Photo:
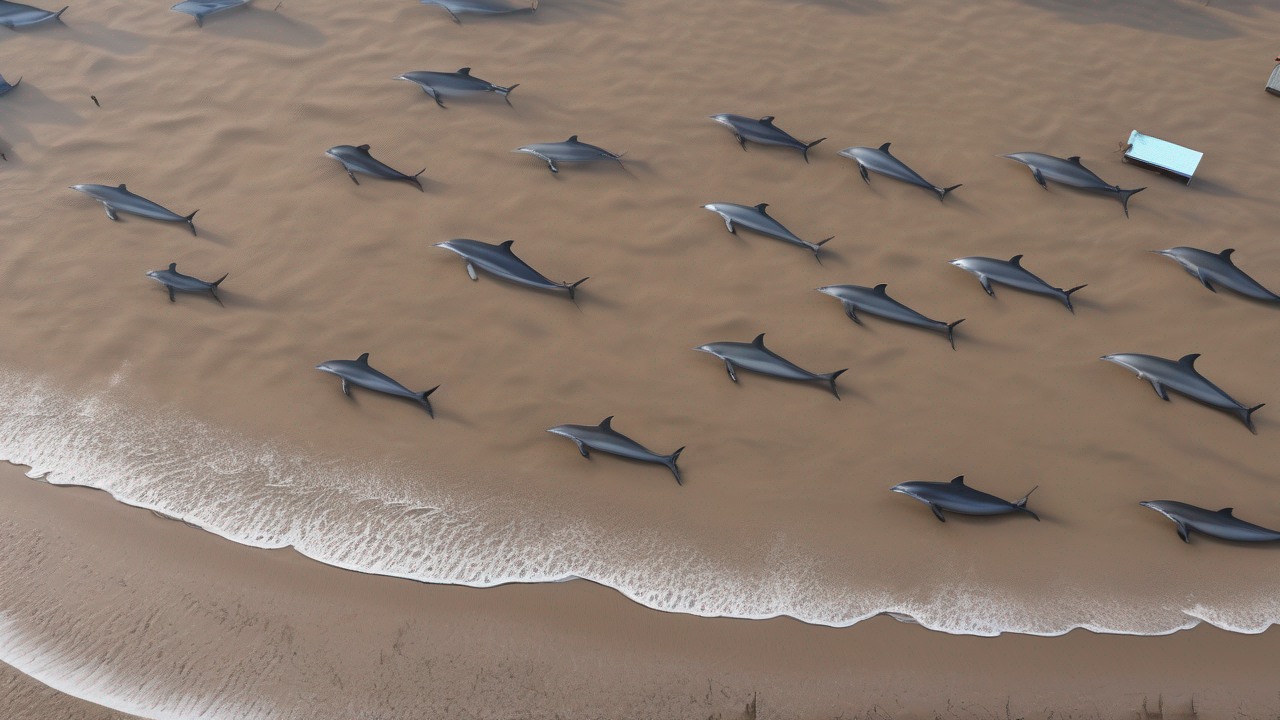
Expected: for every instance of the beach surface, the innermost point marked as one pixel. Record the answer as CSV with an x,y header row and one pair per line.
x,y
216,416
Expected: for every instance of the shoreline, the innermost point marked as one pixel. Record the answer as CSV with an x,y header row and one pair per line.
x,y
245,633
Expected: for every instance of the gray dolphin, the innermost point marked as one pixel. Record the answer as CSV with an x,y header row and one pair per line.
x,y
754,356
477,7
357,159
604,438
1209,268
440,85
758,219
1182,376
119,199
874,301
570,150
957,497
1010,272
16,15
174,280
1070,172
6,87
357,372
502,262
1220,524
762,131
200,8
880,161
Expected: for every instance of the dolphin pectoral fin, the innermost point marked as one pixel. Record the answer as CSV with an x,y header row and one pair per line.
x,y
862,170
986,285
729,366
852,311
434,96
171,297
1205,281
346,387
1160,389
729,225
937,511
582,449
471,270
1035,173
111,212
352,176
1182,531
551,164
741,141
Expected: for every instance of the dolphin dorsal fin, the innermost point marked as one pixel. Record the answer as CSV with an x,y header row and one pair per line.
x,y
1227,512
958,480
879,289
1189,360
885,147
607,423
122,187
507,245
464,71
1074,159
1016,260
761,207
363,359
1226,254
572,139
759,341
363,147
767,120
173,267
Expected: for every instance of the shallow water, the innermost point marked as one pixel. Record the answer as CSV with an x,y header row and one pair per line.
x,y
215,415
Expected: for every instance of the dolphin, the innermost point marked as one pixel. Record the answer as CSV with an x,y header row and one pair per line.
x,y
358,159
1183,377
1070,172
200,8
604,438
119,199
174,280
357,372
502,262
754,356
1010,272
960,498
762,131
874,301
879,160
440,85
1220,524
568,151
758,219
477,7
6,87
16,15
1209,268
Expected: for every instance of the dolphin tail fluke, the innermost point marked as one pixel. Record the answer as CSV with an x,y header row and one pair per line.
x,y
414,179
818,246
1124,198
190,222
942,192
1022,504
506,93
806,147
670,462
427,403
951,332
1066,297
1246,414
573,288
831,380
58,15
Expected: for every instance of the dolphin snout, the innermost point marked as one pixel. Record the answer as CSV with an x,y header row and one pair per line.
x,y
703,348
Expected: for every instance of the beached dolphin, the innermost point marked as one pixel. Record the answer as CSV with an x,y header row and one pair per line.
x,y
1211,268
762,131
758,219
604,438
879,160
754,356
1010,272
200,8
477,7
1181,375
357,372
118,199
957,497
6,87
874,301
1070,172
358,159
174,280
440,85
16,15
568,151
502,262
1220,524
